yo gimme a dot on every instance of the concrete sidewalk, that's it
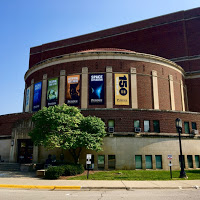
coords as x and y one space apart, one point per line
29 181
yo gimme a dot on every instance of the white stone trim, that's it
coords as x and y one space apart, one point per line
104 55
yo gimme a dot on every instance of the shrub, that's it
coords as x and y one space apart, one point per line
54 172
73 169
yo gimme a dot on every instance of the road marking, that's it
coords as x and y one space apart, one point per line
41 187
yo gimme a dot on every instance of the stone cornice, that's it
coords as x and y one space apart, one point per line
111 55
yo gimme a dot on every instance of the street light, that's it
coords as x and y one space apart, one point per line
179 129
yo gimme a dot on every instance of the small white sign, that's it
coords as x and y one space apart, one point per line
169 157
88 162
89 156
170 164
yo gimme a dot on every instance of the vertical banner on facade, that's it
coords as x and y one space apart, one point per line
121 89
73 90
37 96
27 99
96 89
52 92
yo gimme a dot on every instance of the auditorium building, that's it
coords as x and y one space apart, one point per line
137 77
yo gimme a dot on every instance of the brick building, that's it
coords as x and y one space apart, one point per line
137 77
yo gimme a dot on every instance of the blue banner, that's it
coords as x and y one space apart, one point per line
37 96
96 89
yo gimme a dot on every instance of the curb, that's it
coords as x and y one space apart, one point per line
48 187
133 188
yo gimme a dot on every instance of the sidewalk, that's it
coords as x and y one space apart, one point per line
29 181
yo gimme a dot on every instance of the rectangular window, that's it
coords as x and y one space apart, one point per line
148 160
158 162
136 123
156 126
146 126
187 128
190 162
111 161
138 162
183 160
101 162
197 161
194 125
111 123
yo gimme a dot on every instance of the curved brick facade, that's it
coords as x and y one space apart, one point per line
143 66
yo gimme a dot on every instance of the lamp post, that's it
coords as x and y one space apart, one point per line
179 128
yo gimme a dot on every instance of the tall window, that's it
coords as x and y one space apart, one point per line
187 128
146 126
101 162
136 123
138 162
190 162
194 125
197 161
158 162
156 126
148 160
111 161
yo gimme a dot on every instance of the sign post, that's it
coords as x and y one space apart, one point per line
88 163
170 164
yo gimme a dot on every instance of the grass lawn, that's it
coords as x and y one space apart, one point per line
138 175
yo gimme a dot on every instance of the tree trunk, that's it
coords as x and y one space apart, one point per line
75 154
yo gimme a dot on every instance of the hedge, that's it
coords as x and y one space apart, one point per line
55 172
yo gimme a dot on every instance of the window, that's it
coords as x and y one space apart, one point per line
148 160
111 161
156 126
136 123
189 159
138 162
146 126
183 160
197 161
194 125
158 162
186 126
101 162
111 123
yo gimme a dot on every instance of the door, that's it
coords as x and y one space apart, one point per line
25 151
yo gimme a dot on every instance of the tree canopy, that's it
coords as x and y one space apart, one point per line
65 127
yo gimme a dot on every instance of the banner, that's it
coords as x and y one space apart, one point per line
121 89
52 92
96 89
37 96
73 90
27 99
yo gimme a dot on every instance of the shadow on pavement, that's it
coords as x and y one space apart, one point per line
17 174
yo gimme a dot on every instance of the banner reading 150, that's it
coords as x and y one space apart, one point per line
121 89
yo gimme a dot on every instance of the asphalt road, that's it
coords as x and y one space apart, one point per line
144 194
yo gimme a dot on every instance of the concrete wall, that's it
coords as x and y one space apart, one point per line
125 149
5 149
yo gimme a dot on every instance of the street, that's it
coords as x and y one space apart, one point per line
139 194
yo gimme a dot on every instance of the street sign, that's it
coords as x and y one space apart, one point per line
169 157
89 156
170 164
88 162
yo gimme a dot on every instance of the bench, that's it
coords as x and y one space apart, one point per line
41 172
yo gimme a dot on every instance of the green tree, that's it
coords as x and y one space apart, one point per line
66 128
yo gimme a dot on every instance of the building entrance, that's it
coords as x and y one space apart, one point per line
25 151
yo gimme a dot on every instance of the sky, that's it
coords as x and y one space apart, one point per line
25 24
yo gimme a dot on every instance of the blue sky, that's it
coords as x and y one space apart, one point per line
25 24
